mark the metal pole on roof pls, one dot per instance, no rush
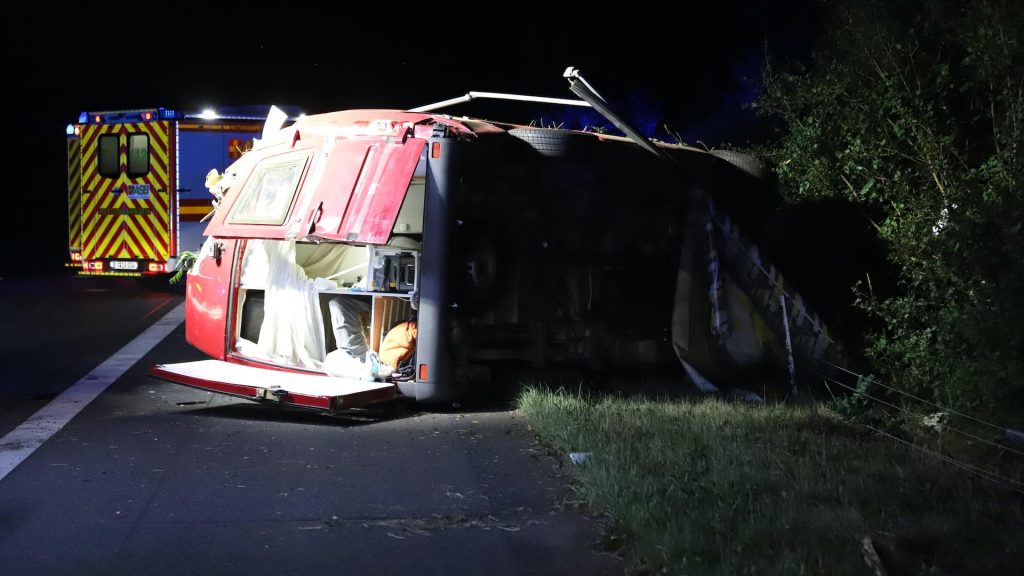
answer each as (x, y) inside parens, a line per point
(583, 89)
(498, 96)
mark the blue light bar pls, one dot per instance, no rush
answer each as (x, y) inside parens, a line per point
(70, 130)
(83, 118)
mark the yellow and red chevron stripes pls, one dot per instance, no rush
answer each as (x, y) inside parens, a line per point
(114, 225)
(74, 194)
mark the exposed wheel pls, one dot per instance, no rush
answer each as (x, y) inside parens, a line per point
(745, 189)
(555, 143)
(482, 265)
(481, 261)
(746, 163)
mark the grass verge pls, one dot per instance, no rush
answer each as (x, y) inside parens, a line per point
(707, 487)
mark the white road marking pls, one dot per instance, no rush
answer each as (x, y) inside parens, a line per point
(21, 442)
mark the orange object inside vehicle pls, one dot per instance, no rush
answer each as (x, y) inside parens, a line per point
(399, 344)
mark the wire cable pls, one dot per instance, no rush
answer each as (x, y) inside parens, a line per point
(1016, 485)
(898, 391)
(911, 412)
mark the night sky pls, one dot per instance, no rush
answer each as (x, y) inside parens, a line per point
(692, 73)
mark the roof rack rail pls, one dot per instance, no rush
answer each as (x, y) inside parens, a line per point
(497, 96)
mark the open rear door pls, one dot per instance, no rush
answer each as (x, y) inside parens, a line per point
(350, 191)
(286, 388)
(362, 190)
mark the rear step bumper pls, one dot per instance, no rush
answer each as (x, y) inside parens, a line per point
(323, 393)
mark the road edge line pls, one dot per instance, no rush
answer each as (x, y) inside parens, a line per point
(20, 443)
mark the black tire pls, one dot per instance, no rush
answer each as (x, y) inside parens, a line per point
(482, 262)
(747, 190)
(746, 163)
(556, 143)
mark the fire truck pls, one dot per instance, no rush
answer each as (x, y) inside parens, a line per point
(137, 198)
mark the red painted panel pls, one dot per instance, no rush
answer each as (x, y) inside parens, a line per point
(219, 225)
(206, 295)
(380, 192)
(352, 189)
(342, 172)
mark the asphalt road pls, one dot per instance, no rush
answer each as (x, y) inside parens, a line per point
(157, 478)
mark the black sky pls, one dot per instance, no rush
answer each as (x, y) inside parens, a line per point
(686, 70)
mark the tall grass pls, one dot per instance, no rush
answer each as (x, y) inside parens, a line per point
(706, 487)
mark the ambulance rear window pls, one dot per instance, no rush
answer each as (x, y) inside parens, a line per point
(268, 194)
(108, 156)
(138, 155)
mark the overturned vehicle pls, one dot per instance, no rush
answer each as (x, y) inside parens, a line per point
(366, 255)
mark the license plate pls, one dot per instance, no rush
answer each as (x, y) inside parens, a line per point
(138, 191)
(120, 265)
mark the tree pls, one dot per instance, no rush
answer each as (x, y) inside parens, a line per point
(914, 111)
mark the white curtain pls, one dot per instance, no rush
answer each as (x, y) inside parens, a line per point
(339, 262)
(292, 330)
(325, 259)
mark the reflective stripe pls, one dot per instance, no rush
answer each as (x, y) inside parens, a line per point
(74, 194)
(113, 224)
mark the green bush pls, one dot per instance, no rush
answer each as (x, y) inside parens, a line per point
(914, 111)
(185, 262)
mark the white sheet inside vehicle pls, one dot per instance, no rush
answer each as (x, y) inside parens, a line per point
(327, 259)
(292, 321)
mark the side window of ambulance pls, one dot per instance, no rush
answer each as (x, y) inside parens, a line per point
(109, 165)
(138, 154)
(268, 194)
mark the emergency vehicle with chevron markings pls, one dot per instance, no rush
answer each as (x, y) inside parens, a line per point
(137, 198)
